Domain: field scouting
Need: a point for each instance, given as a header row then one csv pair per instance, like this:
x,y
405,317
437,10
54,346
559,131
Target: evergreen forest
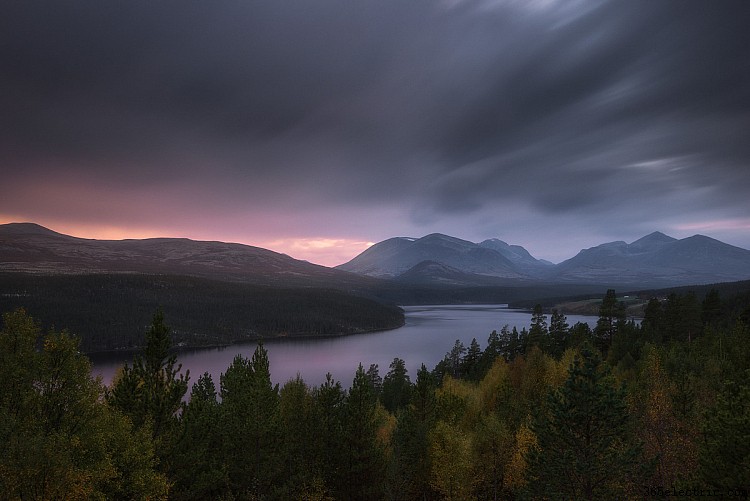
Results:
x,y
625,410
109,312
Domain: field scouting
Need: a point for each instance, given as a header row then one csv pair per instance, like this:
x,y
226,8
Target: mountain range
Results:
x,y
221,293
656,260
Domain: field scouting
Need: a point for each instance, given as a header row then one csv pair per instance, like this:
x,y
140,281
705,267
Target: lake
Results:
x,y
427,335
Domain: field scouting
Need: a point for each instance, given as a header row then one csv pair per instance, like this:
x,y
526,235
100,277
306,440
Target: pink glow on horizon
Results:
x,y
106,232
90,231
717,225
324,251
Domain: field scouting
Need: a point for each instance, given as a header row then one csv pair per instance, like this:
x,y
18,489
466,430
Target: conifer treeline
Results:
x,y
551,412
109,312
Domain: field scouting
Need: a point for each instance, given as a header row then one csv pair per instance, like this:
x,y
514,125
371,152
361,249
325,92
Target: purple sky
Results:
x,y
315,127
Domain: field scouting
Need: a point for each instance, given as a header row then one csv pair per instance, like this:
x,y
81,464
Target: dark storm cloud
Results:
x,y
565,125
443,108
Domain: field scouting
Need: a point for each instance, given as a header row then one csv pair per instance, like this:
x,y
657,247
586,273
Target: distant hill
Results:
x,y
398,257
656,260
28,247
213,293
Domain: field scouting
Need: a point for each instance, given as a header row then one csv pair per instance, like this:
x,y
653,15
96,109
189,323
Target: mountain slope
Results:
x,y
519,256
380,260
652,242
704,255
396,256
432,273
656,260
214,293
32,248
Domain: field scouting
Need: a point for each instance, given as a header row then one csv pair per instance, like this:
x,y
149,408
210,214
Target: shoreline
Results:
x,y
186,348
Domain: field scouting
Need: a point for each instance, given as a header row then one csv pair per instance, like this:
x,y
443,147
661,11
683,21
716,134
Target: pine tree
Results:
x,y
682,318
373,376
396,386
264,424
409,448
234,427
510,343
410,468
610,313
301,440
584,448
652,323
494,347
711,308
538,332
559,332
471,361
413,430
330,409
423,396
364,459
493,350
725,451
250,426
580,334
197,466
150,392
455,359
451,364
521,342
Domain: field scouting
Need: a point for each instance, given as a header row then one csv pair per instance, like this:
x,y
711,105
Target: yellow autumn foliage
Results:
x,y
495,388
458,402
386,426
515,471
665,437
451,457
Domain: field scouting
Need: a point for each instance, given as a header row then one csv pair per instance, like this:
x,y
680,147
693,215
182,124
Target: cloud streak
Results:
x,y
331,120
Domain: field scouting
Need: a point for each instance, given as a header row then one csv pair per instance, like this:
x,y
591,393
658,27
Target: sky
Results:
x,y
318,127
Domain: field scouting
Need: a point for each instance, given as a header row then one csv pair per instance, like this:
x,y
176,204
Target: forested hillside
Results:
x,y
112,311
624,410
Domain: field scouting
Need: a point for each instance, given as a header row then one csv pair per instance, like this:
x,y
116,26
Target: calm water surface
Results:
x,y
429,332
